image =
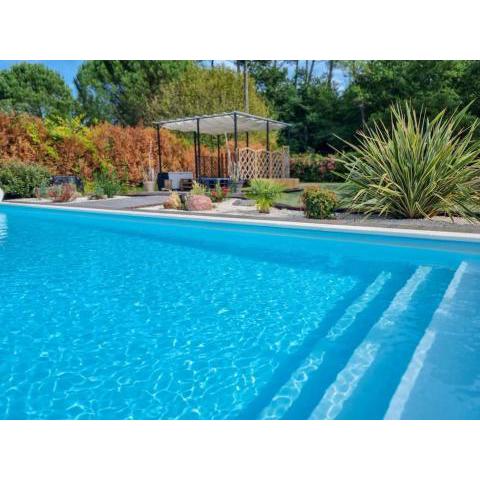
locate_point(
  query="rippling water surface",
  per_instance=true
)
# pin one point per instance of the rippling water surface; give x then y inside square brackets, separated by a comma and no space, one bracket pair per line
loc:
[113,317]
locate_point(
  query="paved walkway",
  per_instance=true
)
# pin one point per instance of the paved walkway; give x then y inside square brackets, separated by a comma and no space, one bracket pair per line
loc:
[124,203]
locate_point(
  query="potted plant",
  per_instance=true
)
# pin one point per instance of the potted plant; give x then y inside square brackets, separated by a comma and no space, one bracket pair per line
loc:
[150,174]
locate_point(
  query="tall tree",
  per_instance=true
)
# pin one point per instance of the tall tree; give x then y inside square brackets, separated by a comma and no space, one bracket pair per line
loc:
[200,91]
[330,66]
[310,72]
[119,91]
[35,89]
[245,86]
[430,85]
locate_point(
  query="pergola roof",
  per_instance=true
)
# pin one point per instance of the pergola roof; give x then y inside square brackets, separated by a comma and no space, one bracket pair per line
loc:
[222,123]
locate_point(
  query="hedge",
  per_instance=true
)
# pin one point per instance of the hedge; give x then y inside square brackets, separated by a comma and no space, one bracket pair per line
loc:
[67,147]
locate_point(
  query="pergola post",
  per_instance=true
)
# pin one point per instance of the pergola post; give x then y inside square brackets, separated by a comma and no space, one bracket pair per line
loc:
[247,138]
[235,135]
[195,151]
[218,156]
[159,146]
[268,136]
[270,166]
[199,151]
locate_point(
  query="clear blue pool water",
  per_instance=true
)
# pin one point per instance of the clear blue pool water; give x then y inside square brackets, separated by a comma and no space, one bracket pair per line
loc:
[122,317]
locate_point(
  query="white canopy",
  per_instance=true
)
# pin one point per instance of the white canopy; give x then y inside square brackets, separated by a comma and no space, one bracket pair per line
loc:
[222,123]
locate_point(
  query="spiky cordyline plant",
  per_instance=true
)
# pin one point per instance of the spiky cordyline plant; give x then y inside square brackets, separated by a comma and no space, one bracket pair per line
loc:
[417,168]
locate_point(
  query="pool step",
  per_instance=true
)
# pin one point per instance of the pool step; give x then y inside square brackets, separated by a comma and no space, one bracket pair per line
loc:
[365,387]
[291,362]
[286,396]
[407,383]
[364,355]
[448,350]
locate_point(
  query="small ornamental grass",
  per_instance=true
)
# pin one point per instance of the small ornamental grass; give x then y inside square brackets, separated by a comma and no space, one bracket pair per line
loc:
[265,193]
[107,182]
[417,168]
[318,202]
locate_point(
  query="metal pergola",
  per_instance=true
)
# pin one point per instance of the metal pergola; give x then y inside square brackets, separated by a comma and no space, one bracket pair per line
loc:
[216,125]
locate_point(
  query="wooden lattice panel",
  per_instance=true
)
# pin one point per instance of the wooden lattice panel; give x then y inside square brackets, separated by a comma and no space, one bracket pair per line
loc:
[247,163]
[262,164]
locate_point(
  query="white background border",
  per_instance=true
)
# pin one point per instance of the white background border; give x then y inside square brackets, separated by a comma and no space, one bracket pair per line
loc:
[353,29]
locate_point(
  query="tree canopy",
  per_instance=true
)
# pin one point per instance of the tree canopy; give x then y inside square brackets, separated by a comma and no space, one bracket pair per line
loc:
[202,91]
[321,109]
[322,100]
[119,91]
[35,89]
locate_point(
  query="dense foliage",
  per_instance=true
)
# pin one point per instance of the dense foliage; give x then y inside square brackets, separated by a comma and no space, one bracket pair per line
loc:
[417,168]
[120,91]
[201,91]
[20,179]
[319,202]
[34,89]
[312,167]
[346,95]
[326,103]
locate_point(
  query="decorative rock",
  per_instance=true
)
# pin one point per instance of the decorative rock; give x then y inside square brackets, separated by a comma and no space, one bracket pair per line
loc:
[244,203]
[173,202]
[199,202]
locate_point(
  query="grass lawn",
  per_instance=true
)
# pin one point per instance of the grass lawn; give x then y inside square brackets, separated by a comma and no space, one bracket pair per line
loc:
[293,198]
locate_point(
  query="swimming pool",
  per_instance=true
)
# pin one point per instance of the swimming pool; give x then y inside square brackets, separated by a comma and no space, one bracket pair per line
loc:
[106,316]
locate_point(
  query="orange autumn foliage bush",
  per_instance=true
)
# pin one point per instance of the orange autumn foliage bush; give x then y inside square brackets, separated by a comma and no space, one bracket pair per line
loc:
[67,147]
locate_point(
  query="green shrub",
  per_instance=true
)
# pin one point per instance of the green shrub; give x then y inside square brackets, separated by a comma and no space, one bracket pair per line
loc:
[312,167]
[265,193]
[20,180]
[107,182]
[218,194]
[319,202]
[416,167]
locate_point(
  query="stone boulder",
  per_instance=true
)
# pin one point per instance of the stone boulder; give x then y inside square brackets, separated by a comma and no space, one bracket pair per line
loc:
[173,202]
[199,202]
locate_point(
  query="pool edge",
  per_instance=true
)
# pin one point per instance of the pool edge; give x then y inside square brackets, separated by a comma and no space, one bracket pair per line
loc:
[365,230]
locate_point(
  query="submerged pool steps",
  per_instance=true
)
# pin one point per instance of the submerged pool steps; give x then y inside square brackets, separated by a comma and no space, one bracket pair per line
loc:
[450,305]
[356,391]
[291,390]
[340,365]
[300,392]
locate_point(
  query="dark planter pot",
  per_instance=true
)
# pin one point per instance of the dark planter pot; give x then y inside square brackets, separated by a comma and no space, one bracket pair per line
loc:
[73,179]
[237,186]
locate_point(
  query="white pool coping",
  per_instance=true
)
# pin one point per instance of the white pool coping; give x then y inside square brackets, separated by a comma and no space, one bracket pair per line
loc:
[363,230]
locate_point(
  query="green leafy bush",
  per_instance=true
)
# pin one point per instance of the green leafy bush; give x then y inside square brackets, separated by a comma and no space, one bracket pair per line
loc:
[416,167]
[265,193]
[218,194]
[319,202]
[107,182]
[19,179]
[312,167]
